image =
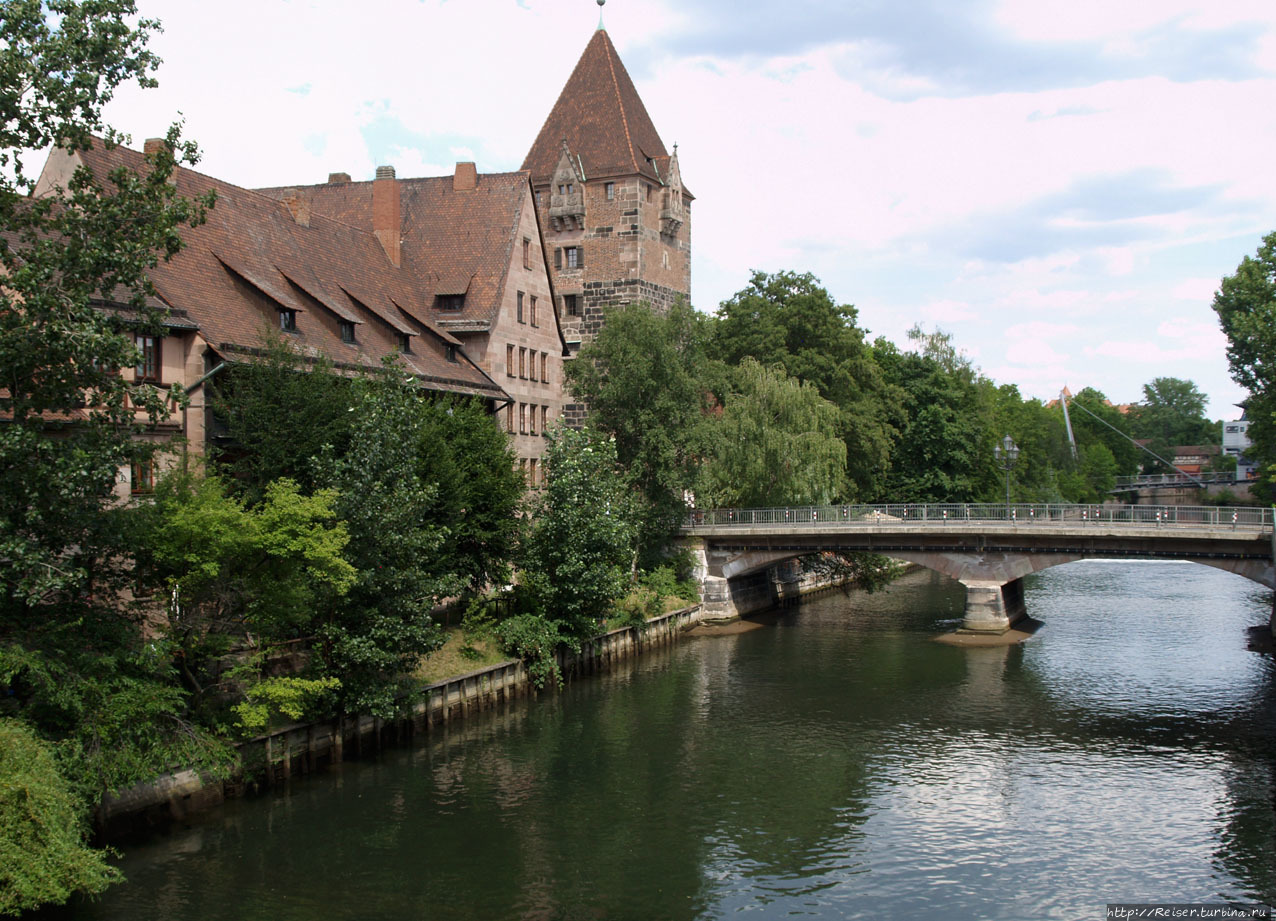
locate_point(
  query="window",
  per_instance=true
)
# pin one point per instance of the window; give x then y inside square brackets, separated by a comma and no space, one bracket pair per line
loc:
[575,257]
[539,202]
[544,375]
[522,362]
[648,193]
[449,352]
[449,302]
[509,418]
[571,306]
[522,418]
[142,477]
[288,321]
[531,422]
[347,330]
[558,257]
[405,343]
[148,366]
[520,308]
[544,419]
[509,360]
[527,252]
[532,310]
[611,190]
[531,470]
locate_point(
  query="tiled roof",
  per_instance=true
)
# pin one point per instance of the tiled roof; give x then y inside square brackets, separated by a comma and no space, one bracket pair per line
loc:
[251,258]
[602,119]
[453,241]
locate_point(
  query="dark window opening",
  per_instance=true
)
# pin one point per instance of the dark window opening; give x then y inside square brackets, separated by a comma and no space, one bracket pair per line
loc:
[571,305]
[347,331]
[532,310]
[148,366]
[405,342]
[520,307]
[449,302]
[142,477]
[450,352]
[288,321]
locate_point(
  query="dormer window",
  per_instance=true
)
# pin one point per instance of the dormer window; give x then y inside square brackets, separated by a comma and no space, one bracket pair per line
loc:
[449,302]
[288,321]
[450,352]
[405,342]
[347,331]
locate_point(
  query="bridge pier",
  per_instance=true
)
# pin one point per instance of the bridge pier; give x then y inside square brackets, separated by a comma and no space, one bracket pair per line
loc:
[992,606]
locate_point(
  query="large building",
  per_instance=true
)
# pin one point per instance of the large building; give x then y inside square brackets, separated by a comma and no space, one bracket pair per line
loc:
[465,276]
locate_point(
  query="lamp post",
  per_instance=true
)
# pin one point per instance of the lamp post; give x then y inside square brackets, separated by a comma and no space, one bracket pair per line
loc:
[1006,452]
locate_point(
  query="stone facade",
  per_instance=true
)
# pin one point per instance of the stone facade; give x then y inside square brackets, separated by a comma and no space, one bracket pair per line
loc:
[615,216]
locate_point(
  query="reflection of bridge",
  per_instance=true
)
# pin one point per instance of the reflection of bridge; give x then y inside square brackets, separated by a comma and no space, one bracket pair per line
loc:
[988,548]
[1176,481]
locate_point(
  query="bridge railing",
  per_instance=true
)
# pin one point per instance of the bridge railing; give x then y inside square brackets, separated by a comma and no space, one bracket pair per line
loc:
[1172,480]
[1025,514]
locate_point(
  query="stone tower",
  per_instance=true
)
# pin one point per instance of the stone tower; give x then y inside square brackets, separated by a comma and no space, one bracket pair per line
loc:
[615,216]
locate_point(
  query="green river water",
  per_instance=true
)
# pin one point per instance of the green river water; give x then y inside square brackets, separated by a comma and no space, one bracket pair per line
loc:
[835,763]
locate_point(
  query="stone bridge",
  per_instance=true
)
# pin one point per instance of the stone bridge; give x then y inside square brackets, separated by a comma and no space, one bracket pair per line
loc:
[988,548]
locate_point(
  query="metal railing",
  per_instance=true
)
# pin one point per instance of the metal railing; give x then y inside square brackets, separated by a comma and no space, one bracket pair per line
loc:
[1176,480]
[1022,514]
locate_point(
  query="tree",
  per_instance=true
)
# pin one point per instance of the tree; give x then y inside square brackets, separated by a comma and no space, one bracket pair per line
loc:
[648,383]
[1246,306]
[788,320]
[374,641]
[280,410]
[72,661]
[41,828]
[1172,413]
[776,443]
[236,576]
[580,548]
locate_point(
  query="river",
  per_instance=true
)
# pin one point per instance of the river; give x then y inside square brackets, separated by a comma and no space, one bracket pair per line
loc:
[834,763]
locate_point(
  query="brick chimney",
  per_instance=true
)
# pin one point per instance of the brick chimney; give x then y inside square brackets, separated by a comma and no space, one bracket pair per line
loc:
[154,145]
[465,179]
[338,178]
[387,222]
[300,208]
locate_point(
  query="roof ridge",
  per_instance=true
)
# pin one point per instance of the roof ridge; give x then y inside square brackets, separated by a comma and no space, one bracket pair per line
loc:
[608,48]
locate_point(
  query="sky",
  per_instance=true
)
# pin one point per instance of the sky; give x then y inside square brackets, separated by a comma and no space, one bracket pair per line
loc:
[1059,184]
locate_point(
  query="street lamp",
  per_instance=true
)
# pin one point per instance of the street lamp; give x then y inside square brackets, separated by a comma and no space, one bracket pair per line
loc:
[1006,452]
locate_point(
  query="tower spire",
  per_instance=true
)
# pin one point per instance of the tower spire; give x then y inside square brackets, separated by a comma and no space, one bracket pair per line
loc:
[600,16]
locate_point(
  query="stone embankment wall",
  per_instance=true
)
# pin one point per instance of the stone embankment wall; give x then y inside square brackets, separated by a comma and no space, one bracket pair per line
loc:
[303,748]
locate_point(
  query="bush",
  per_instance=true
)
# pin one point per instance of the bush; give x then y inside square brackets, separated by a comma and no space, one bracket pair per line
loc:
[42,829]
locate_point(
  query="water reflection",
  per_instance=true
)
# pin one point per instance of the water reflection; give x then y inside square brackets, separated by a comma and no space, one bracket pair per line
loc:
[836,764]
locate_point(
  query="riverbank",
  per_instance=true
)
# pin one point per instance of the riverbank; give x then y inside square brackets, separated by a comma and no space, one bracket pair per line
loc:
[273,759]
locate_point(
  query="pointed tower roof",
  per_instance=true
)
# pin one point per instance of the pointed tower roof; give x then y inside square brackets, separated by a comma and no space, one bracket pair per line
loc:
[602,120]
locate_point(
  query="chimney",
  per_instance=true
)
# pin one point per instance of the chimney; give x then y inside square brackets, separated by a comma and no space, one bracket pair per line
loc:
[465,179]
[387,220]
[154,145]
[300,208]
[338,178]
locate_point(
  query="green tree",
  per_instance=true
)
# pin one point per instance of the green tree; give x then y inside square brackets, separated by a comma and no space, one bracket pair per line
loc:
[648,383]
[73,662]
[42,827]
[579,552]
[1172,413]
[281,411]
[238,577]
[776,443]
[788,320]
[1246,306]
[375,639]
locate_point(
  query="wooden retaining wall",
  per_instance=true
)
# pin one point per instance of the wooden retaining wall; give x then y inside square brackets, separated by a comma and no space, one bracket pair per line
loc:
[289,751]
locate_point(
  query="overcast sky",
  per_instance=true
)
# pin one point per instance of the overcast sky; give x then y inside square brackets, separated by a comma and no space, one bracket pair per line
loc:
[1058,183]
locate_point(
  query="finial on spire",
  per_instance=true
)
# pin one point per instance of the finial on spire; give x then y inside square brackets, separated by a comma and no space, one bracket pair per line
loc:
[600,15]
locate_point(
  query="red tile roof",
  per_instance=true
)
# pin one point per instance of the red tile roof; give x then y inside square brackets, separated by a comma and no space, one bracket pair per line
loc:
[455,242]
[251,258]
[602,119]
